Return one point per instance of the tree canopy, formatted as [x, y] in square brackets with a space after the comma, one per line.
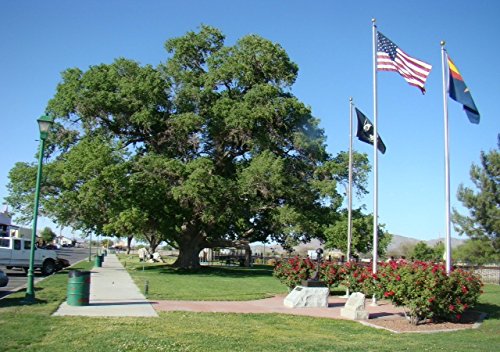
[476, 251]
[47, 235]
[422, 251]
[483, 221]
[362, 233]
[208, 148]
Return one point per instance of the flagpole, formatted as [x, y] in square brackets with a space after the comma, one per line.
[446, 161]
[349, 211]
[375, 156]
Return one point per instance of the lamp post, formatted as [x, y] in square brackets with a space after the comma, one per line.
[44, 123]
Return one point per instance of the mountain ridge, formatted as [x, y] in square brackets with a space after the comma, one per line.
[399, 241]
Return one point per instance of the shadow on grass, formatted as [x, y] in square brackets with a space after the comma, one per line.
[17, 298]
[239, 272]
[492, 310]
[232, 272]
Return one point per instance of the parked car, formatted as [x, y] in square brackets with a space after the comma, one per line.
[16, 252]
[4, 279]
[62, 263]
[50, 246]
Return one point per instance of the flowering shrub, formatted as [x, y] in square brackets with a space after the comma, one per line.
[356, 277]
[292, 271]
[330, 274]
[426, 291]
[422, 288]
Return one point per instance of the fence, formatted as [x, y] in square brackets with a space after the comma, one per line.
[489, 274]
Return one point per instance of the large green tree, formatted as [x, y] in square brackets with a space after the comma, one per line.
[207, 149]
[335, 233]
[483, 220]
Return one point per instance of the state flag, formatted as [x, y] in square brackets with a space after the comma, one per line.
[460, 93]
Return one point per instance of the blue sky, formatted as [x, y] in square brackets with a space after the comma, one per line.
[331, 41]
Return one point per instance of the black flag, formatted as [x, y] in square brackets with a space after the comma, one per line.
[365, 131]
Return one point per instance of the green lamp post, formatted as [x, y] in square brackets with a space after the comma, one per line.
[44, 124]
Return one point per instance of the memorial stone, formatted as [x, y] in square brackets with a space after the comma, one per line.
[355, 307]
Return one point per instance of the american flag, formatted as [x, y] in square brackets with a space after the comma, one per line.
[391, 58]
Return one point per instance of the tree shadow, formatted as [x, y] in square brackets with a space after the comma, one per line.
[222, 271]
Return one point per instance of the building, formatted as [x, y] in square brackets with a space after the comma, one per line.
[9, 230]
[64, 241]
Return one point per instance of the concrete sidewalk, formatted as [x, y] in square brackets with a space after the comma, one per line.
[113, 293]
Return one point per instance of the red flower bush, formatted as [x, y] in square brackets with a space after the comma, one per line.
[422, 288]
[356, 277]
[426, 291]
[293, 271]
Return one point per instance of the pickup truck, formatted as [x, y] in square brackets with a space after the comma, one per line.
[15, 252]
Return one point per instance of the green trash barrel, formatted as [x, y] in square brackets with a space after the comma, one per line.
[98, 261]
[78, 288]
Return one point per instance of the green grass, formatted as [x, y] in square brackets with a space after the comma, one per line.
[205, 284]
[31, 328]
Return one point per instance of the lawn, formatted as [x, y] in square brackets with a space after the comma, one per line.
[31, 328]
[223, 283]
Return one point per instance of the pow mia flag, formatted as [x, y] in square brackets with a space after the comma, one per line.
[365, 131]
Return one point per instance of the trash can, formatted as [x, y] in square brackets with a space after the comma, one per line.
[102, 258]
[78, 288]
[98, 261]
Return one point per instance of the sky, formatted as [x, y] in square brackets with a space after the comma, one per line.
[330, 41]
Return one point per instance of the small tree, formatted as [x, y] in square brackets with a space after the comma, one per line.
[47, 235]
[476, 252]
[106, 243]
[362, 233]
[423, 252]
[438, 250]
[483, 221]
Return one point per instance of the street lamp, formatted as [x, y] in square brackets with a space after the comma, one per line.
[44, 123]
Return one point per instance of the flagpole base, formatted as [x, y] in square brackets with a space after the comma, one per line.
[346, 294]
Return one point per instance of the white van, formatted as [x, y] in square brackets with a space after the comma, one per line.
[15, 252]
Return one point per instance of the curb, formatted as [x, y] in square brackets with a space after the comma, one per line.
[17, 289]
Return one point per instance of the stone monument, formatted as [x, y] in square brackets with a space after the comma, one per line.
[312, 292]
[355, 307]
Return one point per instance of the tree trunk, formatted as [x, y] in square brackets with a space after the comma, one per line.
[191, 243]
[188, 257]
[129, 243]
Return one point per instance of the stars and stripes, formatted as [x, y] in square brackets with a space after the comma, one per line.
[391, 58]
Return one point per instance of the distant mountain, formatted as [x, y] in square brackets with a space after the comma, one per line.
[399, 242]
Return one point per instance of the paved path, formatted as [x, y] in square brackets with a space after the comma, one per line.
[275, 304]
[113, 293]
